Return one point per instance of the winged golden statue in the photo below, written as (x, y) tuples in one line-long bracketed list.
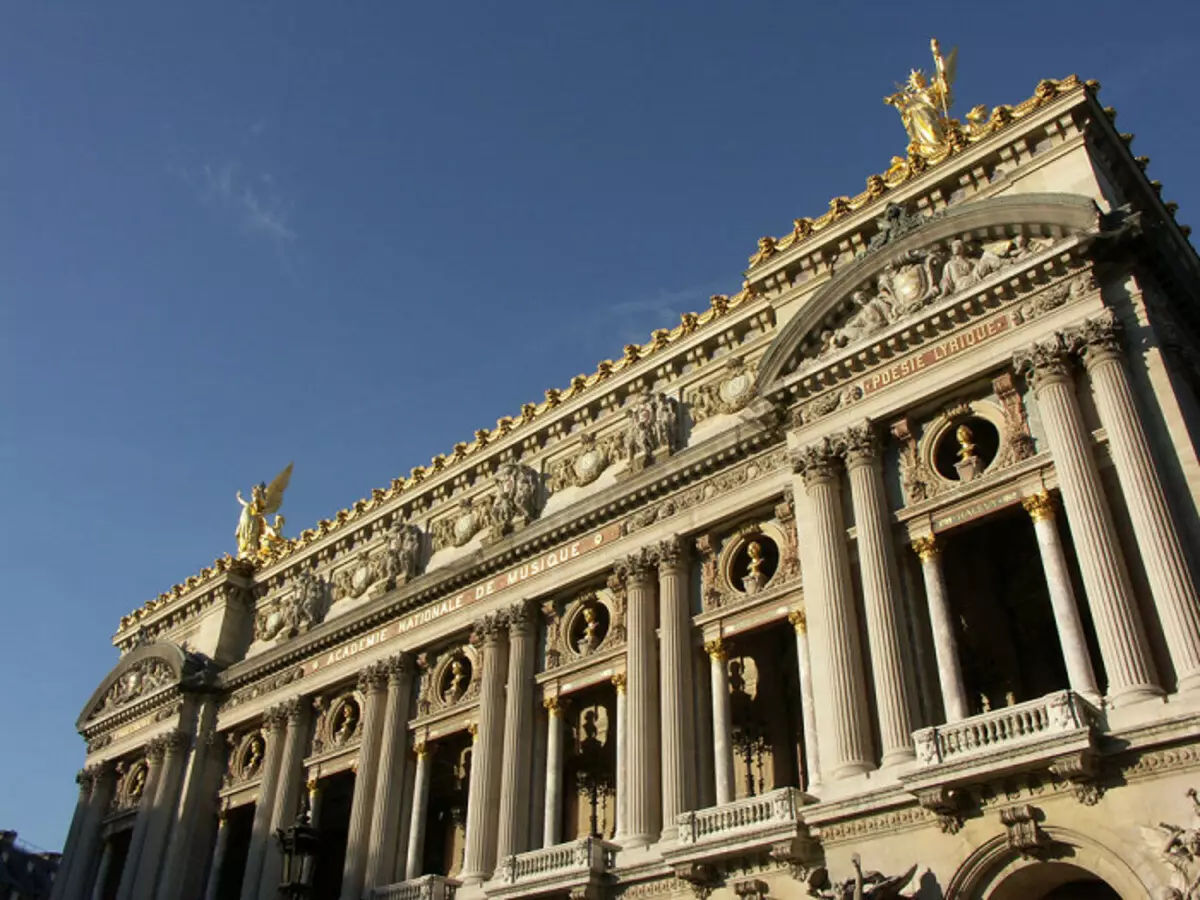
[(924, 104), (254, 535)]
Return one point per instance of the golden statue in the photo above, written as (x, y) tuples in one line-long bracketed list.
[(925, 105), (966, 443), (254, 535)]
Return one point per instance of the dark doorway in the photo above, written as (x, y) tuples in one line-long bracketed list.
[(240, 822), (119, 841), (446, 819), (337, 796)]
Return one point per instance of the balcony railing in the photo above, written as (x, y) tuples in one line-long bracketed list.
[(427, 887), (1005, 729), (576, 861), (741, 817)]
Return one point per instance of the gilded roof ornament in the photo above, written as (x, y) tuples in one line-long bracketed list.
[(254, 536), (924, 106)]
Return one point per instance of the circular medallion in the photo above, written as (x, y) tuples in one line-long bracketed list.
[(589, 465), (464, 529), (736, 391)]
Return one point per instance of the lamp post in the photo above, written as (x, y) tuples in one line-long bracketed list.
[(298, 846)]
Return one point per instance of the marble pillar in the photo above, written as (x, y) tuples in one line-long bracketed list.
[(106, 858), (79, 879), (274, 726), (220, 849), (373, 683), (1119, 628), (941, 621), (722, 719), (483, 796), (70, 855), (556, 708), (881, 593), (176, 746), (643, 758), (1166, 566), (515, 787), (286, 803), (414, 861), (1080, 675), (155, 752), (833, 618), (393, 756), (676, 690), (618, 681), (808, 709)]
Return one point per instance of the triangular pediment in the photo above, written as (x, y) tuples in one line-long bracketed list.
[(915, 262)]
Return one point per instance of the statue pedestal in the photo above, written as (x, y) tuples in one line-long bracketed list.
[(970, 468)]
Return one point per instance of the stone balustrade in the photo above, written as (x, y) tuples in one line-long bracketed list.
[(428, 887), (1005, 730), (553, 869), (741, 817)]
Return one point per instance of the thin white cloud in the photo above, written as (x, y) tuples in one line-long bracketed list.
[(254, 201)]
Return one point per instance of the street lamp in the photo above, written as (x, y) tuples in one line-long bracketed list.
[(298, 845)]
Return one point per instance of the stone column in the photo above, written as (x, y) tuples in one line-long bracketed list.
[(176, 746), (1119, 628), (643, 764), (287, 794), (831, 610), (556, 708), (618, 681), (78, 881), (722, 717), (373, 683), (881, 593), (155, 751), (393, 755), (515, 778), (1080, 675), (483, 798), (70, 855), (808, 710), (274, 723), (106, 858), (941, 621), (413, 864), (197, 802), (678, 740), (219, 851), (1166, 566)]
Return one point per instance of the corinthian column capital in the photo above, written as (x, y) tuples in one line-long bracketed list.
[(638, 566), (522, 617), (1096, 339), (817, 462), (671, 553), (860, 445), (491, 628), (1044, 361)]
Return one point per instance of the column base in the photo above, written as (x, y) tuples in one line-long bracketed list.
[(670, 834), (898, 757), (468, 878), (1137, 694), (1190, 682), (633, 841), (849, 770)]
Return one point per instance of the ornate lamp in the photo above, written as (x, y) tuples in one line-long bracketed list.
[(298, 845)]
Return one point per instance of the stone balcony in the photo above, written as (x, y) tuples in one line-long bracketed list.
[(1054, 733), (580, 869), (427, 887), (770, 823)]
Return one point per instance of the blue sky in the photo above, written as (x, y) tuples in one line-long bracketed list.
[(237, 234)]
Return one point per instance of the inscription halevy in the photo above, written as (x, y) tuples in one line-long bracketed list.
[(518, 574)]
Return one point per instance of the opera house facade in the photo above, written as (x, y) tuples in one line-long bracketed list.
[(876, 578)]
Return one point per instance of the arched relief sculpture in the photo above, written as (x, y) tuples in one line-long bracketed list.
[(339, 722), (756, 557), (131, 783), (141, 679), (448, 679), (246, 754), (590, 623)]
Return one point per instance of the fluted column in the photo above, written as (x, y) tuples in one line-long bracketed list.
[(881, 594), (176, 746), (1166, 566), (941, 621), (155, 751), (518, 733), (556, 708), (219, 851), (197, 801), (483, 799), (643, 766), (413, 863), (77, 884), (722, 716), (1080, 675), (373, 683), (833, 618), (675, 671), (286, 803), (1119, 627), (622, 787), (70, 856), (106, 858), (274, 723), (808, 710), (385, 817)]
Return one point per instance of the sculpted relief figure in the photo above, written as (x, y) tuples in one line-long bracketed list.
[(1179, 848), (401, 555), (254, 536), (141, 679), (300, 610), (515, 503), (863, 886), (650, 429)]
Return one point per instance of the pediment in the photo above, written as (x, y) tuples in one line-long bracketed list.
[(916, 261), (142, 673)]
